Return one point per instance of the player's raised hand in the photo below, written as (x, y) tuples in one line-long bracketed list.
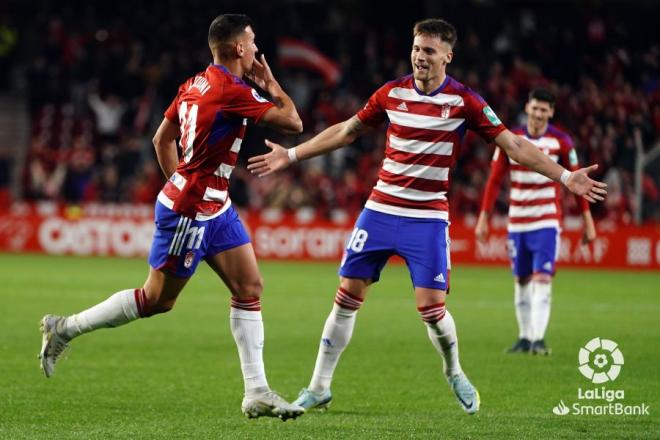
[(268, 163), (261, 73), (579, 183)]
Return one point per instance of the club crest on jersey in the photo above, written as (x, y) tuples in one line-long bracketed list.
[(444, 112), (258, 97), (188, 260)]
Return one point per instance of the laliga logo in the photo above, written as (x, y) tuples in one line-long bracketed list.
[(600, 360)]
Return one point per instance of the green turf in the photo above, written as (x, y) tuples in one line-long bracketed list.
[(177, 375)]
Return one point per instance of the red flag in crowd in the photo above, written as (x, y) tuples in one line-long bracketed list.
[(296, 53)]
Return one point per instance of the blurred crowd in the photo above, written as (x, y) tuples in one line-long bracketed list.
[(98, 77)]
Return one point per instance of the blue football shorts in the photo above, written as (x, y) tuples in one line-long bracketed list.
[(180, 242), (533, 251), (422, 243)]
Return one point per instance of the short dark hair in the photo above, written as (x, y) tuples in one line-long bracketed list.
[(226, 27), (436, 27), (541, 94)]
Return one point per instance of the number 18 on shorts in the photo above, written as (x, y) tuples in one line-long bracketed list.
[(422, 243)]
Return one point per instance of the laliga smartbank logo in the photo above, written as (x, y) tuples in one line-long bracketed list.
[(600, 361)]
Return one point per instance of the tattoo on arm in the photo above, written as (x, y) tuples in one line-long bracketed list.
[(279, 103), (355, 127)]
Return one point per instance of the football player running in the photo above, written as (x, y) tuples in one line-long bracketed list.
[(194, 216)]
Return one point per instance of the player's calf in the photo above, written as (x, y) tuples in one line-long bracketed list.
[(441, 330), (337, 333), (442, 333)]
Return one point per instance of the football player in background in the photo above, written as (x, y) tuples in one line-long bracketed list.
[(193, 215), (534, 220), (427, 113)]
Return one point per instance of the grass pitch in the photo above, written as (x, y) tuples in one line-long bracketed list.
[(177, 375)]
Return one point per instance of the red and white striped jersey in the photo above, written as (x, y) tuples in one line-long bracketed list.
[(424, 136), (211, 109), (533, 199)]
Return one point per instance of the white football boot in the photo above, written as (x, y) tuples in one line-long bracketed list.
[(52, 344), (270, 404), (466, 393), (309, 399)]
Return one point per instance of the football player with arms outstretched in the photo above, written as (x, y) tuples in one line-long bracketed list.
[(428, 113)]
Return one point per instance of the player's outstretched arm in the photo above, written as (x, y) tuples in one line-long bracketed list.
[(330, 139), (165, 144), (525, 153), (284, 116)]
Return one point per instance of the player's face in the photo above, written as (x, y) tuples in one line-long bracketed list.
[(429, 57), (539, 112), (247, 49)]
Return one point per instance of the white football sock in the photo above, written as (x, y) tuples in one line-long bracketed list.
[(523, 304), (119, 309), (247, 327), (443, 337), (337, 334), (541, 299)]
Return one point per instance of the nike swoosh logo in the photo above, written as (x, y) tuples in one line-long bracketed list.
[(465, 403)]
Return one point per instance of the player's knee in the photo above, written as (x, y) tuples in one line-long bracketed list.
[(523, 281), (248, 288), (155, 301), (357, 287), (432, 313), (542, 277), (162, 306)]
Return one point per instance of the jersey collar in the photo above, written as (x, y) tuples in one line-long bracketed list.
[(436, 91), (529, 136), (224, 69)]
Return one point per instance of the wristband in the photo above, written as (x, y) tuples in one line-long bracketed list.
[(564, 176), (293, 157)]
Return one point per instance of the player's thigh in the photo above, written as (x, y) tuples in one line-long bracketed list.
[(230, 254), (520, 255), (369, 246), (424, 245), (544, 245), (238, 268)]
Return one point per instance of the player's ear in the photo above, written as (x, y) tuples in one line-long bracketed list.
[(551, 113), (239, 49), (449, 56)]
